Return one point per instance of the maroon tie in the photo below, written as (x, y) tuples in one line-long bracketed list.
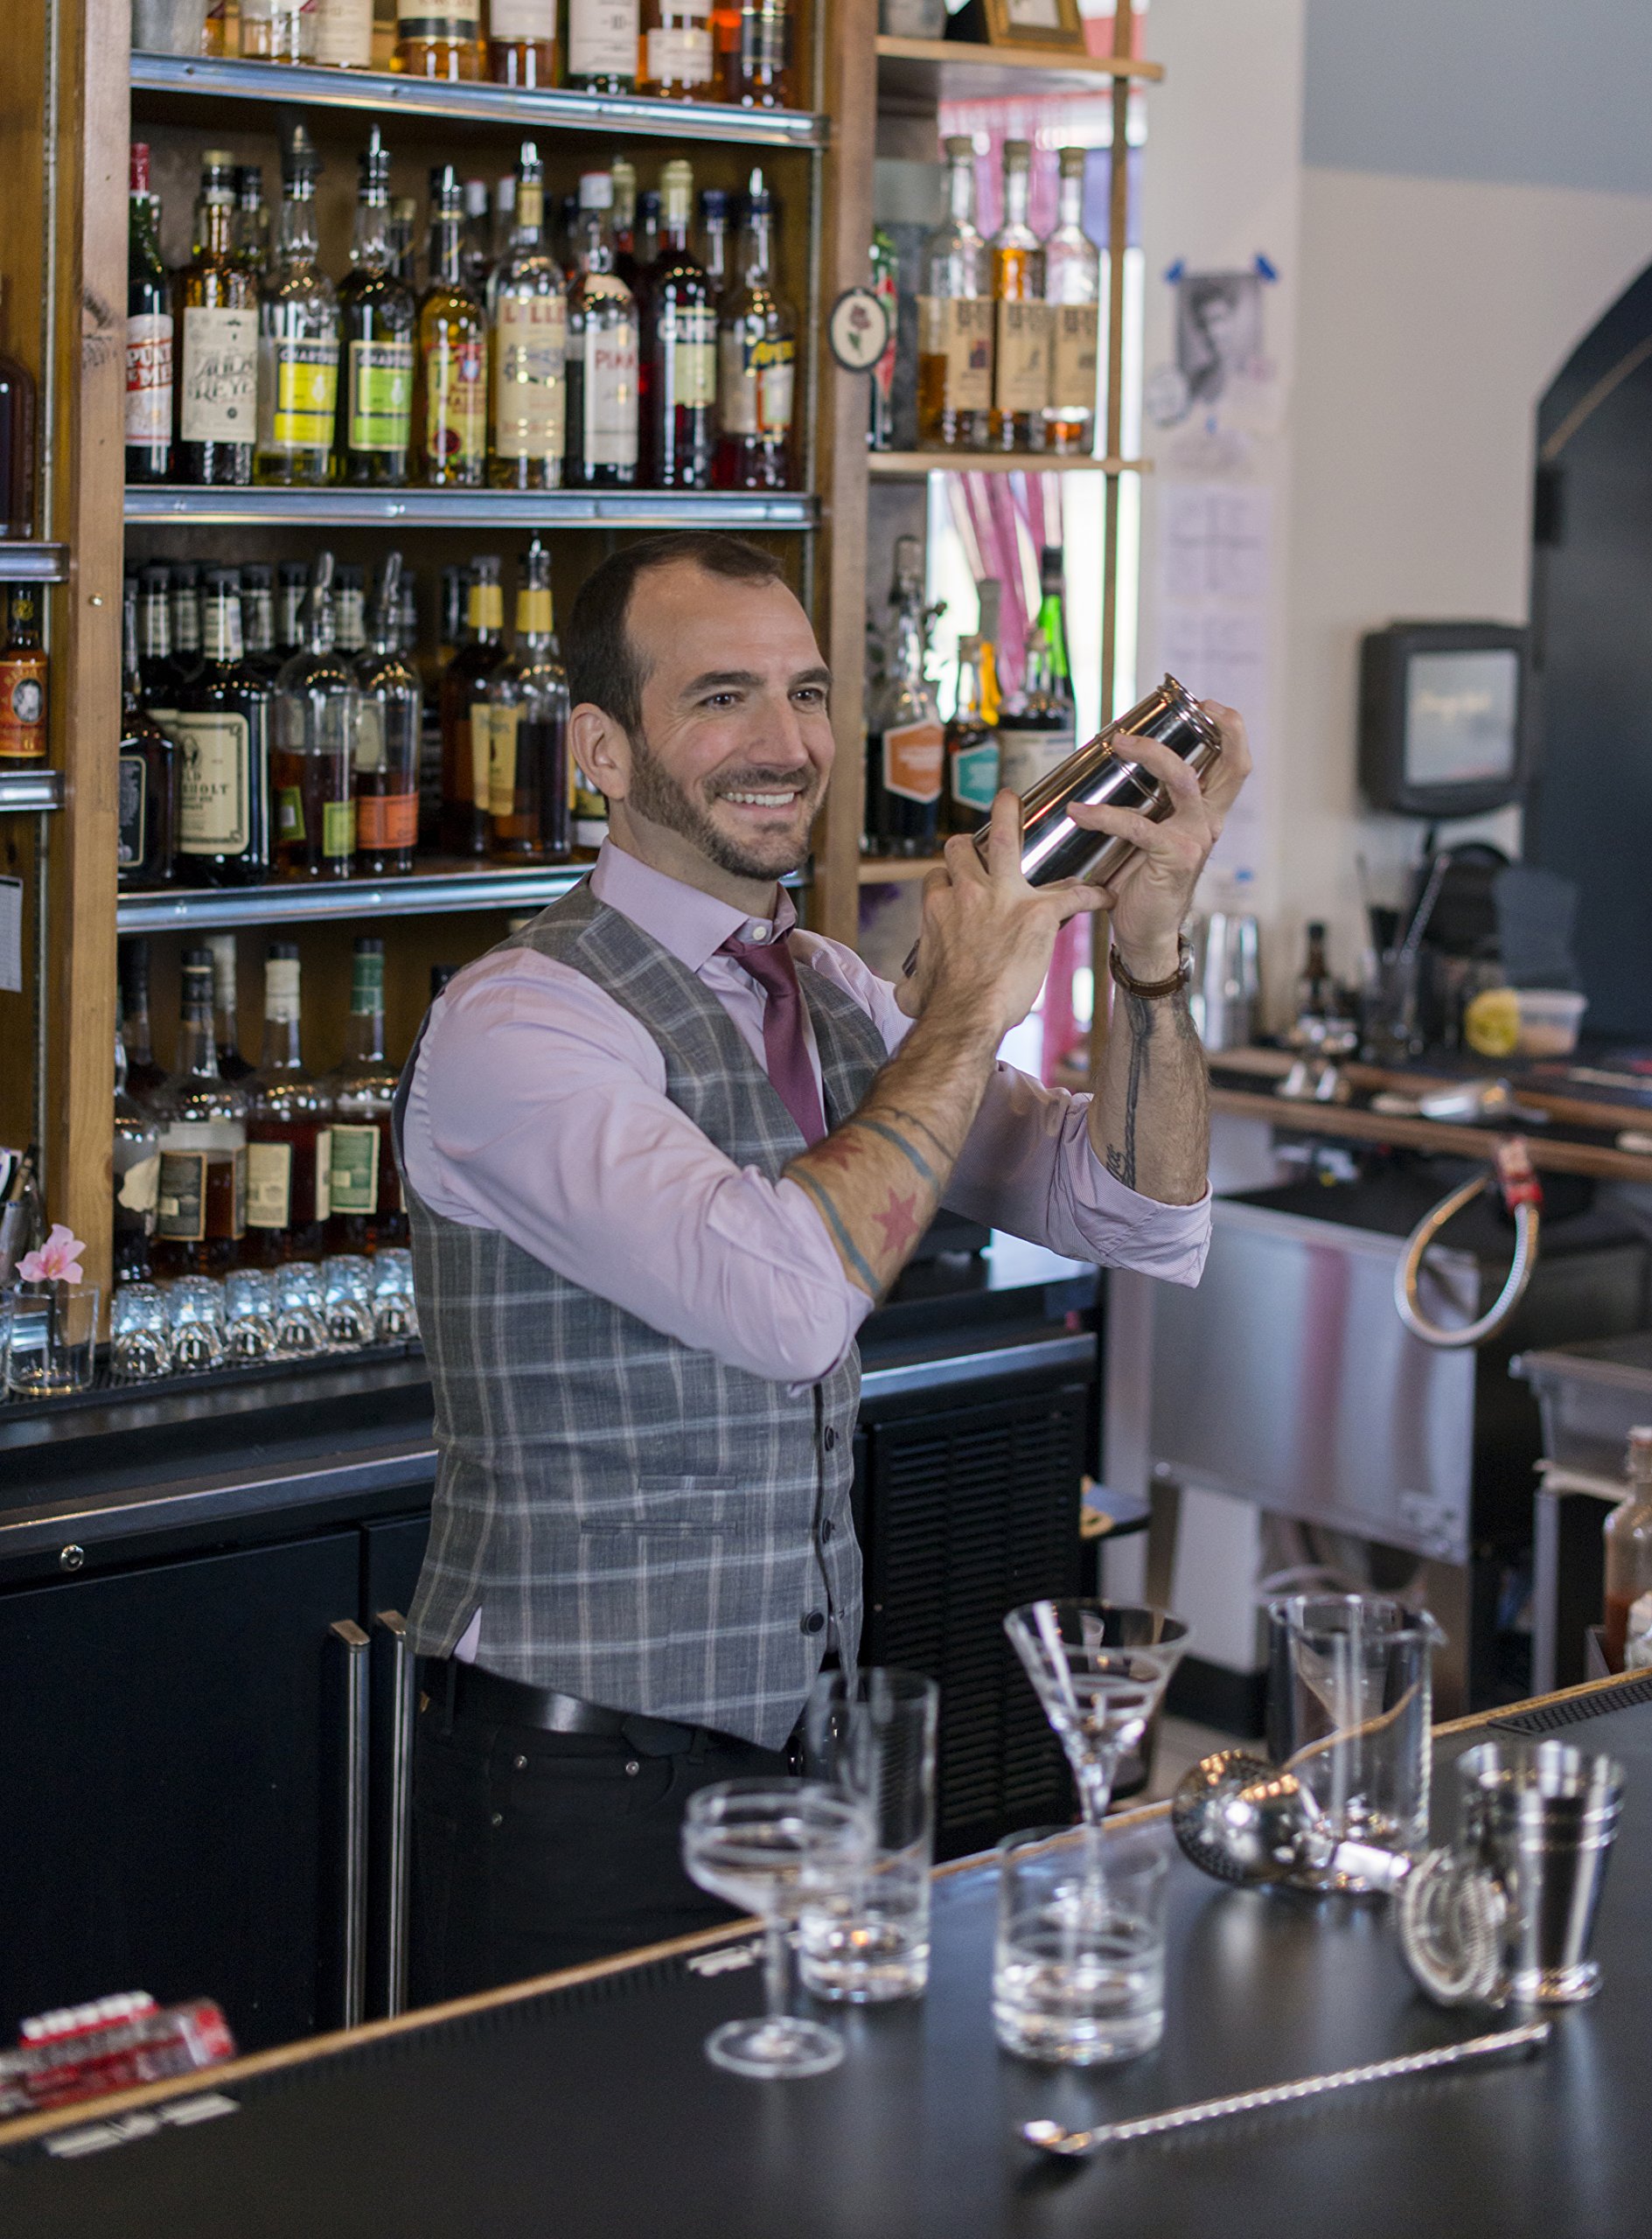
[(785, 1049)]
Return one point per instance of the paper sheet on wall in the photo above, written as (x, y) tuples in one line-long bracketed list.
[(11, 936)]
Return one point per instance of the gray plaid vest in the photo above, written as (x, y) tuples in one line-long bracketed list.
[(639, 1524)]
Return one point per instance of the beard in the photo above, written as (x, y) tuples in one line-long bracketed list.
[(657, 796)]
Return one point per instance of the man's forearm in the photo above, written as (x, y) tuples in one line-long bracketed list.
[(1150, 1125)]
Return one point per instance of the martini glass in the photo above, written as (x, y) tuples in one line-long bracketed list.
[(768, 1847), (1100, 1669)]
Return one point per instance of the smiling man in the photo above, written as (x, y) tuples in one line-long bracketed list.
[(663, 1154)]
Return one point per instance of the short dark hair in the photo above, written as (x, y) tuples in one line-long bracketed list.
[(603, 666)]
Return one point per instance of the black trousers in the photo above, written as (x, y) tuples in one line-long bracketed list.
[(535, 1851)]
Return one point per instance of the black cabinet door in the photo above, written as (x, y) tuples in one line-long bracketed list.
[(164, 1821), (392, 1555)]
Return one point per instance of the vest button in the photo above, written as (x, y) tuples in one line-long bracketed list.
[(830, 1439), (815, 1621)]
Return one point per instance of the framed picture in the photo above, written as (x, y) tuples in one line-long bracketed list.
[(1053, 23)]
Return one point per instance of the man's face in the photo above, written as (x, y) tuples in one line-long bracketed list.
[(737, 734)]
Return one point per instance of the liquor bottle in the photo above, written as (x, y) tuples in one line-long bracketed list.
[(439, 38), (143, 1075), (456, 589), (591, 814), (1052, 620), (466, 747), (714, 238), (231, 1065), (218, 313), (149, 334), (603, 39), (258, 618), (645, 241), (297, 337), (601, 352), (388, 743), (1035, 731), (1072, 288), (137, 1173), (503, 225), (317, 724), (905, 743), (378, 316), (249, 234), (406, 611), (886, 286), (23, 682), (350, 609), (753, 53), (1628, 1549), (679, 368), (1316, 996), (530, 346), (222, 730), (343, 34), (476, 255), (17, 439), (158, 678), (678, 58), (288, 1145), (278, 30), (449, 396), (201, 1199), (292, 594), (184, 599), (955, 320), (756, 350), (527, 729), (401, 233), (366, 1187), (1020, 340), (971, 748), (148, 792)]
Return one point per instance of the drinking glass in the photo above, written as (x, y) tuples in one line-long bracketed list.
[(195, 1323), (249, 1310), (347, 1294), (873, 1733), (1349, 1698), (51, 1339), (301, 1328), (1078, 1966), (770, 1847), (139, 1346), (395, 1316)]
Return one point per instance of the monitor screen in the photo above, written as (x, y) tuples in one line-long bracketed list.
[(1461, 716)]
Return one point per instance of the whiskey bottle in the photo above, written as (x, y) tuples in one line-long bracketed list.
[(185, 603), (388, 743), (753, 56), (439, 38), (288, 1145), (530, 346), (137, 1173), (157, 674), (603, 39), (143, 1075), (757, 349), (343, 34), (148, 792), (466, 747), (522, 42), (317, 724), (677, 50), (23, 682), (366, 1187), (201, 1196), (217, 300), (527, 729), (1072, 287), (679, 368), (258, 619), (149, 334), (972, 747), (601, 352), (450, 397), (1021, 341), (222, 730), (955, 320), (378, 315), (905, 743), (231, 1066), (298, 338)]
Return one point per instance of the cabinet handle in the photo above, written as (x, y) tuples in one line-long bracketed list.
[(393, 1752), (348, 1646)]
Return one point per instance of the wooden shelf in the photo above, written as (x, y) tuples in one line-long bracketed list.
[(905, 466), (338, 506), (891, 871), (927, 71), (22, 561), (161, 83), (26, 791)]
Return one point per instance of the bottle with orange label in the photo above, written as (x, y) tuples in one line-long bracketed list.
[(905, 743), (388, 739), (22, 668)]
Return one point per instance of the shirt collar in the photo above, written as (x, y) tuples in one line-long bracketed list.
[(691, 925)]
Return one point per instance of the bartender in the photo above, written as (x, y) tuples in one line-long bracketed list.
[(664, 1152)]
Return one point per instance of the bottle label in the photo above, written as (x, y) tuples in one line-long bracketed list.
[(759, 384), (688, 336), (1072, 384), (456, 431), (912, 755), (533, 614), (765, 38), (270, 1184), (455, 19), (681, 56), (974, 775), (481, 763), (355, 1169), (214, 783), (281, 990), (22, 707), (885, 286), (610, 430), (339, 828), (1027, 756), (380, 395), (530, 396), (512, 19), (289, 816), (187, 1209), (369, 746), (959, 328), (149, 377), (502, 732), (323, 1174), (343, 33), (1022, 368), (601, 38), (140, 1185), (220, 376), (299, 384), (133, 810), (385, 821)]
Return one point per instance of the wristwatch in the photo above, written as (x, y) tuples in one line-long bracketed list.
[(1151, 990)]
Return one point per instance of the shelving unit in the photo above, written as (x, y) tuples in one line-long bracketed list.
[(27, 791), (906, 466), (28, 562), (439, 891), (163, 505), (925, 71)]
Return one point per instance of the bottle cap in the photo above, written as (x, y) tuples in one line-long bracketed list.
[(1018, 155), (958, 145), (140, 177)]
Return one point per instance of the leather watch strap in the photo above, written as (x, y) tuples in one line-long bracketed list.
[(1152, 990)]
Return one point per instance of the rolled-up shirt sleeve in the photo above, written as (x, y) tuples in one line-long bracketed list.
[(538, 1107)]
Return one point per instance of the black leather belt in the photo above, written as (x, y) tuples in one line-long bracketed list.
[(466, 1691)]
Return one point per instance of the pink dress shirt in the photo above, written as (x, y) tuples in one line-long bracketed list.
[(538, 1107)]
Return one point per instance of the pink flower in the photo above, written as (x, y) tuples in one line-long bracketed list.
[(57, 1262)]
